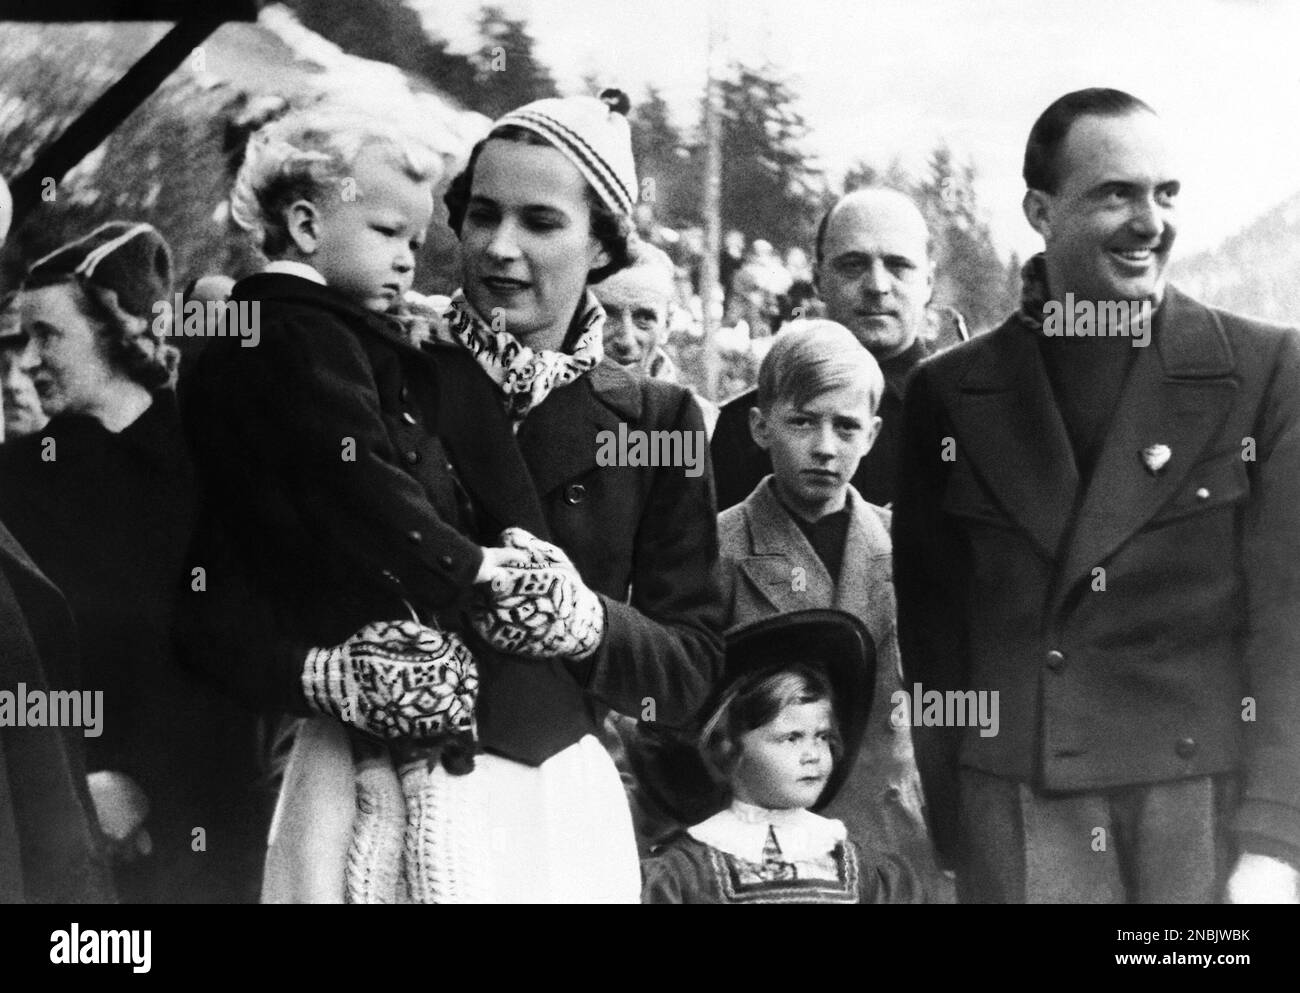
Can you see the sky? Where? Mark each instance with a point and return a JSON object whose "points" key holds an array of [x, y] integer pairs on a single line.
{"points": [[880, 79]]}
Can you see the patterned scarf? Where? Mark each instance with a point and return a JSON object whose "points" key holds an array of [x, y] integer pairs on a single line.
{"points": [[1033, 291], [524, 376]]}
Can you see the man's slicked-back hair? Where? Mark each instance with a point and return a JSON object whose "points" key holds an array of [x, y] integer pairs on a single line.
{"points": [[1048, 134]]}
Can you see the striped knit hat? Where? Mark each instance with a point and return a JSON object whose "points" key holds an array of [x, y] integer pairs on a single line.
{"points": [[593, 134], [132, 260]]}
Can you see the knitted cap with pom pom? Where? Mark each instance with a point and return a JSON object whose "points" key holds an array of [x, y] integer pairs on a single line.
{"points": [[593, 134]]}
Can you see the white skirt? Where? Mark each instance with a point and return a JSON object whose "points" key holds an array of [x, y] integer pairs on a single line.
{"points": [[560, 832]]}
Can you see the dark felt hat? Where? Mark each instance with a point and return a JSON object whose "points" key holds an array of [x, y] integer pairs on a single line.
{"points": [[131, 260], [668, 767]]}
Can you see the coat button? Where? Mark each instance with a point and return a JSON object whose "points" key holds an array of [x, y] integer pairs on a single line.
{"points": [[446, 561], [575, 494], [1202, 494], [408, 417], [1185, 748], [412, 457], [414, 537], [1055, 660]]}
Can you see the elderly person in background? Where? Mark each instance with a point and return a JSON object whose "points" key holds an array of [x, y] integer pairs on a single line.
{"points": [[638, 303], [103, 499], [51, 848]]}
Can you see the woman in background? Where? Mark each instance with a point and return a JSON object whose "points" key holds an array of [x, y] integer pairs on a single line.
{"points": [[103, 499], [51, 849]]}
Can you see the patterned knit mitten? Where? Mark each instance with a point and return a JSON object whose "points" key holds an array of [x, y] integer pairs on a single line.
{"points": [[543, 610], [396, 680]]}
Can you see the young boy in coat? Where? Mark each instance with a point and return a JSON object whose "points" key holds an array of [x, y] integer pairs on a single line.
{"points": [[320, 445], [805, 538]]}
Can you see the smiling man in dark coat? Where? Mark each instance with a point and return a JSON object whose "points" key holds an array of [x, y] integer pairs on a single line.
{"points": [[1108, 537]]}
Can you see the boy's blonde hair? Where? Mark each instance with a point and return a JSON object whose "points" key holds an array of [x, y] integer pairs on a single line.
{"points": [[809, 358], [306, 155]]}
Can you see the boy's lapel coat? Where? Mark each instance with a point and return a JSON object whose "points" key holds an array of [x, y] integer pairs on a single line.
{"points": [[866, 586], [777, 548]]}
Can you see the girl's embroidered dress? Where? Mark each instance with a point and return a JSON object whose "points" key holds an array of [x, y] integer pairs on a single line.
{"points": [[747, 854]]}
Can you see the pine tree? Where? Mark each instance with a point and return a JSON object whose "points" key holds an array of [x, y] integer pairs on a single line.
{"points": [[670, 182], [509, 74], [771, 187]]}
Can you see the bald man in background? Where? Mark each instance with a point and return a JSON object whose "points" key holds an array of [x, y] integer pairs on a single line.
{"points": [[874, 273]]}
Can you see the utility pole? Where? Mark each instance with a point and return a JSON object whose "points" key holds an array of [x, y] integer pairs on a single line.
{"points": [[712, 200]]}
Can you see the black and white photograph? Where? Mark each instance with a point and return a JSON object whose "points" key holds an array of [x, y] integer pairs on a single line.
{"points": [[697, 452]]}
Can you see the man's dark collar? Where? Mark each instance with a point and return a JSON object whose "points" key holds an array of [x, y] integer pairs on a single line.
{"points": [[897, 368], [911, 355]]}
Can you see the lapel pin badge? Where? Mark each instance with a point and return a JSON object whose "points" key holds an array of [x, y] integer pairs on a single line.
{"points": [[1156, 457]]}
